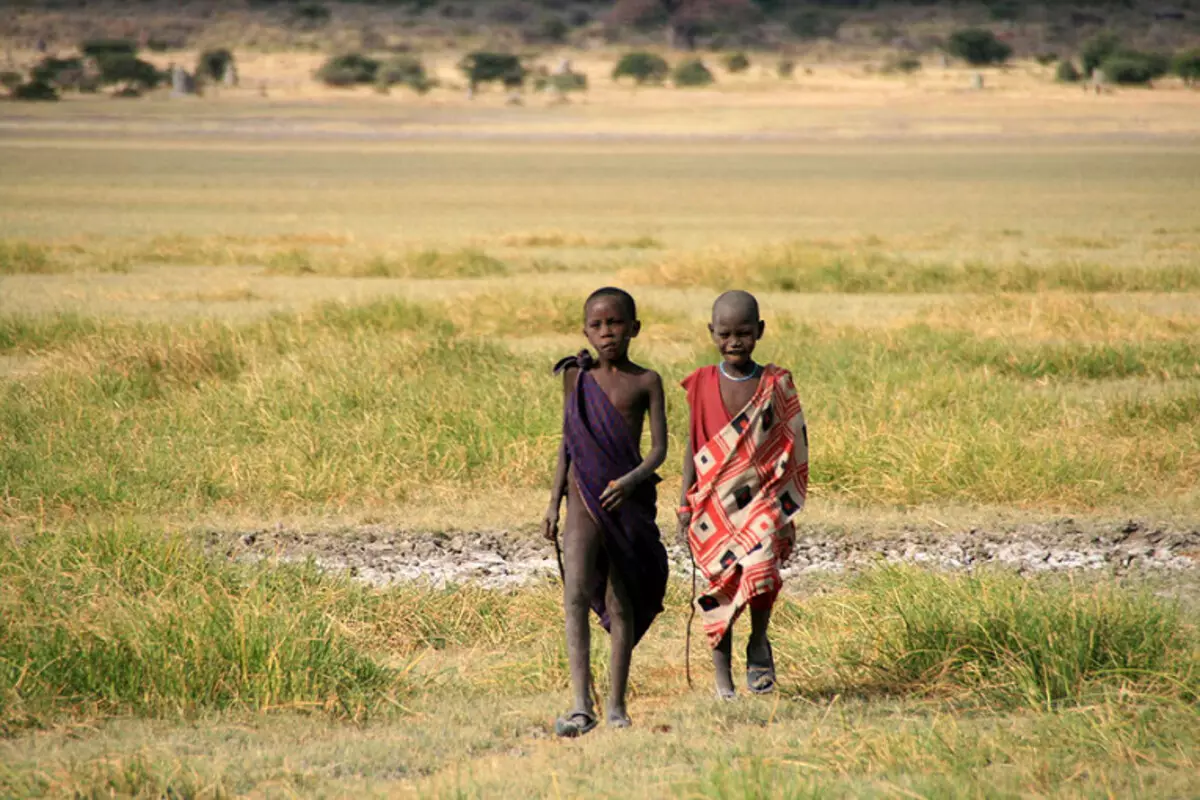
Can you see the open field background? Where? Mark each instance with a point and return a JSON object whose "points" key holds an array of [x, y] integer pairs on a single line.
{"points": [[339, 315]]}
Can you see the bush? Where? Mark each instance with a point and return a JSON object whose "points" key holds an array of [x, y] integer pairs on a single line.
{"points": [[978, 47], [643, 67], [786, 68], [101, 48], [1046, 59], [484, 67], [212, 64], [62, 73], [905, 65], [550, 29], [349, 69], [35, 91], [737, 62], [1097, 50], [11, 80], [1067, 72], [311, 15], [692, 73], [130, 74], [404, 70], [1187, 65], [1131, 68], [814, 24]]}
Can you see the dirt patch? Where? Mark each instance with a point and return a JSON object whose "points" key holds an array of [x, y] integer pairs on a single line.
{"points": [[498, 559]]}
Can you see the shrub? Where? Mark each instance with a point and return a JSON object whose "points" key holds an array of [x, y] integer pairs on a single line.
{"points": [[62, 73], [1046, 59], [311, 15], [348, 69], [11, 80], [484, 67], [1187, 65], [1067, 72], [1097, 50], [404, 70], [643, 67], [903, 64], [212, 64], [1132, 68], [130, 74], [737, 62], [35, 91], [692, 73], [101, 48], [978, 47], [549, 29], [786, 68], [814, 24]]}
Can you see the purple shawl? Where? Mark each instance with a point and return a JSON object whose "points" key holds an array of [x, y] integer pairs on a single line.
{"points": [[602, 449]]}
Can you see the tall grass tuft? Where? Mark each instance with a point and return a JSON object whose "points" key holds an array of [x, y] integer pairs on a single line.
{"points": [[1020, 642], [122, 619]]}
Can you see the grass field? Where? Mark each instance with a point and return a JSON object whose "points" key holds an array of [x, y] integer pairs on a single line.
{"points": [[203, 332]]}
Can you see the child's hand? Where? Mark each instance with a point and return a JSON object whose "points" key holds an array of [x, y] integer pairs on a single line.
{"points": [[684, 515], [614, 494], [550, 523]]}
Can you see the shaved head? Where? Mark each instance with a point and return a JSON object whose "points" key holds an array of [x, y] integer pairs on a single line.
{"points": [[736, 305]]}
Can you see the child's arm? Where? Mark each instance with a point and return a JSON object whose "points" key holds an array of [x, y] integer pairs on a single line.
{"points": [[558, 485], [615, 493], [558, 489], [689, 480]]}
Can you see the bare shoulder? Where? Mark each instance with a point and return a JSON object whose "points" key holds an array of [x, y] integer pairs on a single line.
{"points": [[569, 374], [647, 379]]}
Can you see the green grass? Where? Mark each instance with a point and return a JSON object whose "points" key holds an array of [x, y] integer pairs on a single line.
{"points": [[360, 406], [114, 620], [957, 683]]}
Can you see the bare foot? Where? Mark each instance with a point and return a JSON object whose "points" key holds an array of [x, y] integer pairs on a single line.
{"points": [[618, 718]]}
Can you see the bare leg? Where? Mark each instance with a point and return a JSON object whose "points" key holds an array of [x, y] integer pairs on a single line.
{"points": [[581, 548], [620, 616], [722, 656], [760, 662], [758, 649]]}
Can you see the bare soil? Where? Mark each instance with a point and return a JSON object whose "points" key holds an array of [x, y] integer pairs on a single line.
{"points": [[381, 555]]}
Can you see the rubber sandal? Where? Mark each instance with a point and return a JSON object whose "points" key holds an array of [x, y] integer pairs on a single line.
{"points": [[728, 695], [761, 679], [574, 724]]}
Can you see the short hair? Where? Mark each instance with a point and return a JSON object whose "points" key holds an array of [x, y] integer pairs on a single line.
{"points": [[739, 300], [622, 296]]}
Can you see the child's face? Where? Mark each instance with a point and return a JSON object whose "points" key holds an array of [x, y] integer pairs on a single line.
{"points": [[609, 329], [735, 334]]}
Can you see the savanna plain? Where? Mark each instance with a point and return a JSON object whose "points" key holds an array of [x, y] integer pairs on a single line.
{"points": [[217, 329]]}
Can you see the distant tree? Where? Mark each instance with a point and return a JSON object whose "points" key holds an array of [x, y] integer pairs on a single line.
{"points": [[686, 20], [643, 67], [1097, 50], [1187, 66], [737, 62], [103, 48], [212, 64], [692, 73], [129, 74], [978, 47], [484, 67], [1134, 68], [348, 69], [814, 23]]}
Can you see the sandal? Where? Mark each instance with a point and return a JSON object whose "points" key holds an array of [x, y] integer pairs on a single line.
{"points": [[760, 679], [574, 724]]}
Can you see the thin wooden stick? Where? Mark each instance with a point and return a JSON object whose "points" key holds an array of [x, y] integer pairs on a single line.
{"points": [[687, 655]]}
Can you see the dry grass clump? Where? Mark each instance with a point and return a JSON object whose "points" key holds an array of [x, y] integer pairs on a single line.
{"points": [[561, 240], [801, 267]]}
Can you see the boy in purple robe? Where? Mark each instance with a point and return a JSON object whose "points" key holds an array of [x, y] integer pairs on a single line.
{"points": [[613, 559]]}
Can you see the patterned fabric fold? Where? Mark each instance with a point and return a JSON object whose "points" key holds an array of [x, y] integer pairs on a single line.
{"points": [[602, 448], [751, 483]]}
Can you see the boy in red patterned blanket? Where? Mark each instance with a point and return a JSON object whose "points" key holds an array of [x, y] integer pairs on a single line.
{"points": [[745, 479]]}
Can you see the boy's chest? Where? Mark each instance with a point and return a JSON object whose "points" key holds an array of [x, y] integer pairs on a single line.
{"points": [[736, 394], [626, 396]]}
